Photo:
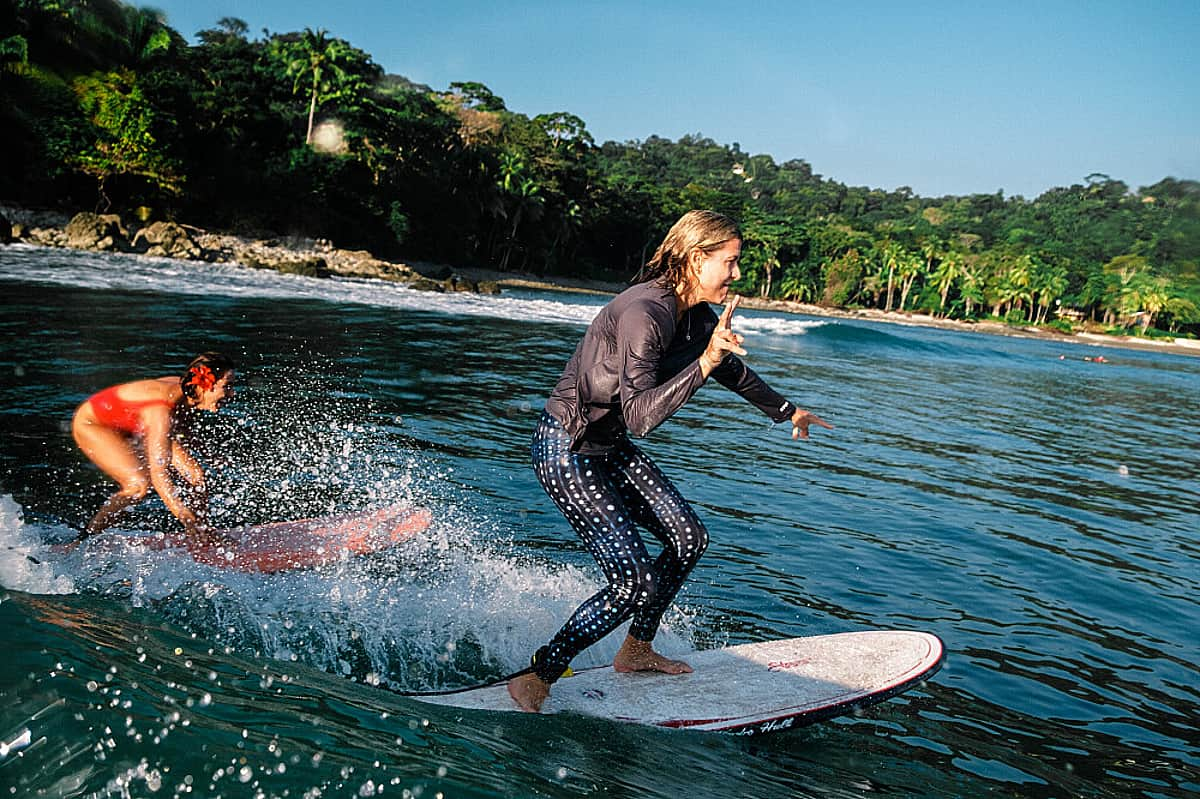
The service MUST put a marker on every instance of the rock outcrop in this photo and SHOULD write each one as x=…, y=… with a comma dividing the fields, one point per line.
x=168, y=240
x=293, y=255
x=360, y=263
x=308, y=266
x=88, y=231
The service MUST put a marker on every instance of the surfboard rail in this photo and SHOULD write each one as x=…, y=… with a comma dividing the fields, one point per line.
x=777, y=685
x=297, y=544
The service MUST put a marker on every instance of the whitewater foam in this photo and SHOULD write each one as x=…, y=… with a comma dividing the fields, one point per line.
x=26, y=562
x=110, y=271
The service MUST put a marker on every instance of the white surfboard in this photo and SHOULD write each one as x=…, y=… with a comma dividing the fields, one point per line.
x=747, y=689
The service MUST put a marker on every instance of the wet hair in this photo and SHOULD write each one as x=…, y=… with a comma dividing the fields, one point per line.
x=204, y=364
x=703, y=230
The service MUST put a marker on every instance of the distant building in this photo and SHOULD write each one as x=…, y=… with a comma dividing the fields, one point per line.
x=1070, y=314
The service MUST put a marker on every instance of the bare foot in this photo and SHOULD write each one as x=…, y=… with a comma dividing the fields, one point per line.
x=637, y=655
x=529, y=692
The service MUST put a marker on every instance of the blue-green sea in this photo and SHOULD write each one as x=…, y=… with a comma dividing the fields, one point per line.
x=1038, y=511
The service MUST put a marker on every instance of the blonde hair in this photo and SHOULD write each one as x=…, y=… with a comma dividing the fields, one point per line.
x=696, y=230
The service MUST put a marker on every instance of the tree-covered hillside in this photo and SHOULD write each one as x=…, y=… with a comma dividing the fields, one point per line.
x=105, y=106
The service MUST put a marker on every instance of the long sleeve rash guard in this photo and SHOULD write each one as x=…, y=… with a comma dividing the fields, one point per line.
x=636, y=366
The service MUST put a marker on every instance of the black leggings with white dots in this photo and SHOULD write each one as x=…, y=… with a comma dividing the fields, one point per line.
x=606, y=496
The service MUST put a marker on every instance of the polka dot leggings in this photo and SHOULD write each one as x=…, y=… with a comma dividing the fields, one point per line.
x=606, y=496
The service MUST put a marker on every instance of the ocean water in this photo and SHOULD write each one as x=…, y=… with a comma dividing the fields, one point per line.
x=1037, y=511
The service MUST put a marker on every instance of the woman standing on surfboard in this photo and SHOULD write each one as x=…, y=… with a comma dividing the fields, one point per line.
x=127, y=431
x=644, y=356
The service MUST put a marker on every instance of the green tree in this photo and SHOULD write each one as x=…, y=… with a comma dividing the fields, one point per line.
x=14, y=55
x=909, y=267
x=522, y=200
x=971, y=282
x=764, y=237
x=146, y=36
x=1047, y=284
x=892, y=255
x=123, y=121
x=948, y=272
x=326, y=69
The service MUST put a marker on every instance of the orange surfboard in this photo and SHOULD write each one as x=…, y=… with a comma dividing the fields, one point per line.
x=301, y=544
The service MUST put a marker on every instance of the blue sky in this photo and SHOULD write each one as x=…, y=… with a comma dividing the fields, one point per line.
x=946, y=98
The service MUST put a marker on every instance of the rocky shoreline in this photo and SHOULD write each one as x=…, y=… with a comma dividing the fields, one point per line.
x=309, y=257
x=319, y=258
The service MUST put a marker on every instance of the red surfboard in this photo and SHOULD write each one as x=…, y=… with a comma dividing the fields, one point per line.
x=301, y=544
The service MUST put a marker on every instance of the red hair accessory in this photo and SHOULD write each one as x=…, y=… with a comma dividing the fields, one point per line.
x=203, y=377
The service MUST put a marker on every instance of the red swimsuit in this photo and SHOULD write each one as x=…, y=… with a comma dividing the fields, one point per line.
x=121, y=414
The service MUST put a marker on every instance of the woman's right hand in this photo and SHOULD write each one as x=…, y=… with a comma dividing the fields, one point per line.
x=723, y=340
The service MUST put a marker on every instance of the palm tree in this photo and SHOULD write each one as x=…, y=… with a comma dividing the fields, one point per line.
x=971, y=283
x=767, y=235
x=322, y=64
x=520, y=198
x=892, y=254
x=794, y=287
x=146, y=34
x=529, y=203
x=1049, y=283
x=909, y=268
x=948, y=272
x=1146, y=295
x=512, y=168
x=1018, y=279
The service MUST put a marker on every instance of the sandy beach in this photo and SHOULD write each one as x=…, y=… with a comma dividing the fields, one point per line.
x=1179, y=346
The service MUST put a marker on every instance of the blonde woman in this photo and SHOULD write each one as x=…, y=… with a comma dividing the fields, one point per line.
x=644, y=356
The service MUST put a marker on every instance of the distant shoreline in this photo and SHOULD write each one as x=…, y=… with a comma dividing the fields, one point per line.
x=49, y=229
x=1176, y=346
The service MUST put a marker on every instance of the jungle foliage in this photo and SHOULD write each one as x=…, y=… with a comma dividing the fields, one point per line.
x=104, y=105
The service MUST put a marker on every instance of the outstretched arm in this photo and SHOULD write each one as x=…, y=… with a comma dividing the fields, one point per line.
x=735, y=375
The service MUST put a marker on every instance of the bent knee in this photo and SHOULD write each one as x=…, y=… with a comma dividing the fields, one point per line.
x=692, y=541
x=135, y=490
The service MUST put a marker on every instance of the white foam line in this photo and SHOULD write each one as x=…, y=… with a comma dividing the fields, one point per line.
x=25, y=263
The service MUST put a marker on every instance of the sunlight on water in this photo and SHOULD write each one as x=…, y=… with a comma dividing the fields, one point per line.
x=1036, y=511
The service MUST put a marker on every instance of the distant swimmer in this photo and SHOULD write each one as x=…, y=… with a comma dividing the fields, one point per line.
x=646, y=353
x=127, y=431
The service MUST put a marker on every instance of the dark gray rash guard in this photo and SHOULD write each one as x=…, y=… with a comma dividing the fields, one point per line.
x=636, y=366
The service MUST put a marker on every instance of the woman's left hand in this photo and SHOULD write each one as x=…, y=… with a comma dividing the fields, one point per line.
x=801, y=419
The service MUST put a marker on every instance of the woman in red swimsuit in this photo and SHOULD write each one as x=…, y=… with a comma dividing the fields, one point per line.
x=126, y=430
